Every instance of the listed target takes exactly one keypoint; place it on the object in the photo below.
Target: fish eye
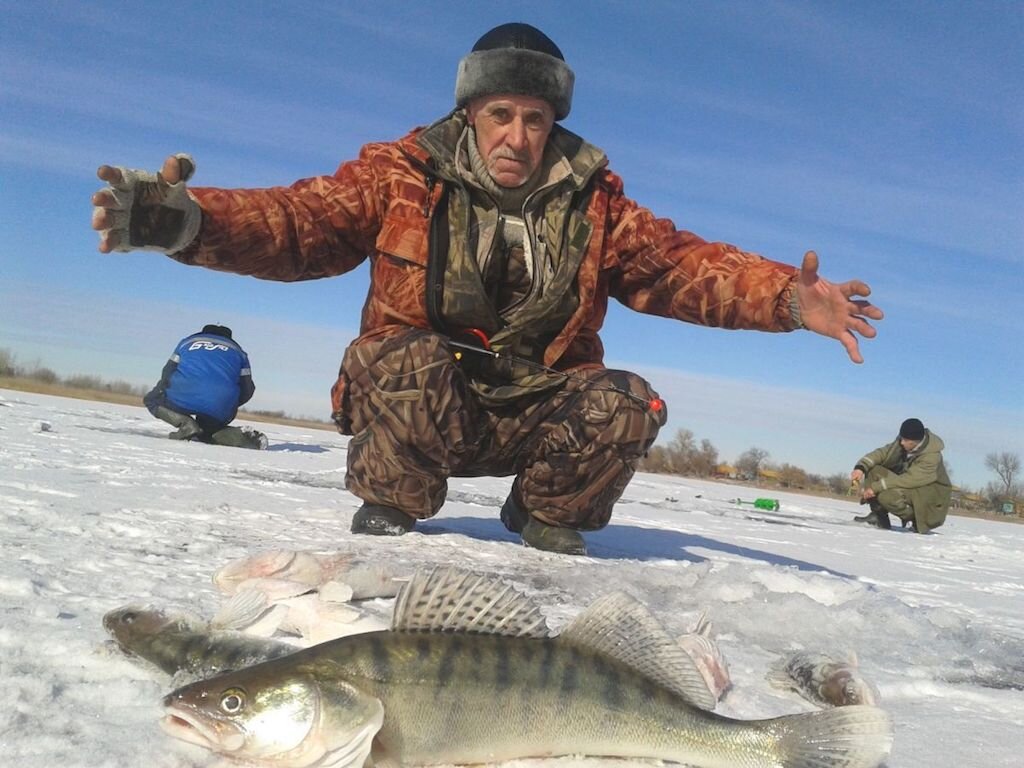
(232, 700)
(129, 617)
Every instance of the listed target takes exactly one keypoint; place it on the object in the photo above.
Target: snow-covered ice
(99, 509)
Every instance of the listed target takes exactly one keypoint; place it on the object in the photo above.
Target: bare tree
(705, 460)
(839, 483)
(1007, 466)
(750, 461)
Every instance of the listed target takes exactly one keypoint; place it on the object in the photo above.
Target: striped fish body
(178, 644)
(485, 698)
(469, 674)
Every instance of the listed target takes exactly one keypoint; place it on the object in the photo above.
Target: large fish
(824, 680)
(469, 673)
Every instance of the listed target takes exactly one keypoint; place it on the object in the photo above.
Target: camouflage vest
(557, 233)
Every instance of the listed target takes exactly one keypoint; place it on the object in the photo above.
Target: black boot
(550, 538)
(187, 427)
(877, 517)
(513, 516)
(563, 541)
(240, 437)
(378, 520)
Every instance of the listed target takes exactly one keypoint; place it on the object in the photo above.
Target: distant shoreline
(20, 384)
(23, 384)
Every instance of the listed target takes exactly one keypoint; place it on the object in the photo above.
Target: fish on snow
(312, 569)
(187, 647)
(470, 673)
(824, 680)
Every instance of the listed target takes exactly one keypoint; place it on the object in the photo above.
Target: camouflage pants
(415, 422)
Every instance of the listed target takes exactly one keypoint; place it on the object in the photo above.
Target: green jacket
(920, 473)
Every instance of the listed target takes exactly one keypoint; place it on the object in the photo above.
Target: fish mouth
(220, 736)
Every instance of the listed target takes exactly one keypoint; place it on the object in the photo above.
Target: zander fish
(469, 673)
(823, 680)
(182, 644)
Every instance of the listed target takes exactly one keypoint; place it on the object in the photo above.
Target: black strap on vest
(437, 261)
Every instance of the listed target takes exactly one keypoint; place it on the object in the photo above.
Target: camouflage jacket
(387, 204)
(921, 474)
(916, 469)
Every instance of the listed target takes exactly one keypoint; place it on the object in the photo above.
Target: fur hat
(520, 59)
(912, 429)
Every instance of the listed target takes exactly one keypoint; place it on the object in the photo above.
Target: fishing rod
(654, 404)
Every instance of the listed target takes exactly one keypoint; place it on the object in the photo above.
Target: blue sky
(889, 137)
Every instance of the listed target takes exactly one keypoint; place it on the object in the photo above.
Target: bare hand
(109, 217)
(831, 309)
(856, 476)
(868, 494)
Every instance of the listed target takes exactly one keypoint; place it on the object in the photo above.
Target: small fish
(823, 680)
(469, 673)
(707, 656)
(184, 645)
(310, 569)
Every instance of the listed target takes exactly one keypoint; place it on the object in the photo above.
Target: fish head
(262, 565)
(857, 690)
(130, 625)
(270, 714)
(284, 564)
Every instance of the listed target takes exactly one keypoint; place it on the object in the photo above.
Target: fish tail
(845, 737)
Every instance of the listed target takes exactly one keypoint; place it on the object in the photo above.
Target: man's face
(909, 445)
(511, 132)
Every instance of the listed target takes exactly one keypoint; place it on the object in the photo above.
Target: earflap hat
(518, 59)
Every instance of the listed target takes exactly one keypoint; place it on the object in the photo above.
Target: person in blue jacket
(201, 388)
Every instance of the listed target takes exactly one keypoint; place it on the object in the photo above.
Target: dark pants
(156, 403)
(894, 501)
(415, 422)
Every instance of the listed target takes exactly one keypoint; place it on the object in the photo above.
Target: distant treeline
(36, 371)
(685, 457)
(47, 378)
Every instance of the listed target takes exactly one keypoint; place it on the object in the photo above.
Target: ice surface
(100, 510)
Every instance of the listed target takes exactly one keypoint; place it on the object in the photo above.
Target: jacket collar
(576, 160)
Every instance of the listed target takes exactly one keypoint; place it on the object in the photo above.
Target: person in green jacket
(905, 478)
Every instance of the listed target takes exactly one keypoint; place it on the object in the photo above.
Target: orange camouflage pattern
(379, 207)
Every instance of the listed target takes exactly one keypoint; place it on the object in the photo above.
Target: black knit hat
(912, 429)
(217, 330)
(519, 59)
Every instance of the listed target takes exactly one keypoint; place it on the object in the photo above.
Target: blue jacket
(208, 375)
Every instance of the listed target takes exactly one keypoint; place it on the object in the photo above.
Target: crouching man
(201, 388)
(905, 478)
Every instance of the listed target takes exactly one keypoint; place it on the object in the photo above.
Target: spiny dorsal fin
(243, 610)
(619, 627)
(703, 625)
(452, 600)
